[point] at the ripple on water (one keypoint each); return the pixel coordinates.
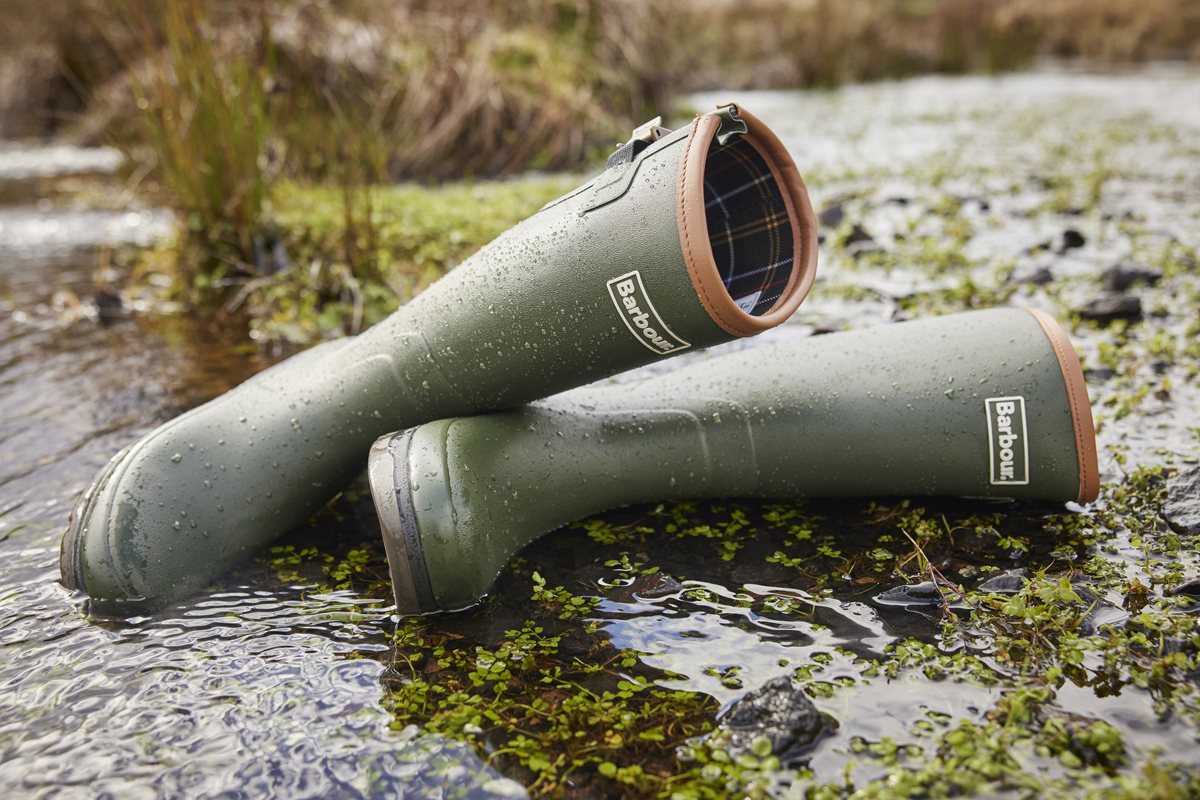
(256, 694)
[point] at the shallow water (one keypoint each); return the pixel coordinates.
(262, 686)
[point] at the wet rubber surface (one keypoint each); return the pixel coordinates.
(264, 686)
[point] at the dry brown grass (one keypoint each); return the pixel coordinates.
(494, 86)
(770, 44)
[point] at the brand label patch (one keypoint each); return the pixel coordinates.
(633, 304)
(1007, 440)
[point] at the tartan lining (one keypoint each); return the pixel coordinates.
(749, 230)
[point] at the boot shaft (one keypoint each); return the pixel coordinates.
(619, 273)
(983, 404)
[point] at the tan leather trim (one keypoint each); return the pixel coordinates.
(693, 227)
(1081, 407)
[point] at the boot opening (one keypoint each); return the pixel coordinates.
(749, 229)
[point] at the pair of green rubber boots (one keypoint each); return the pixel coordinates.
(689, 239)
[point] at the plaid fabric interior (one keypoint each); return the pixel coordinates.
(748, 225)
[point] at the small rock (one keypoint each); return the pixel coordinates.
(859, 242)
(1120, 277)
(1190, 588)
(1009, 582)
(1182, 508)
(832, 215)
(1039, 277)
(1099, 374)
(781, 713)
(917, 594)
(1113, 307)
(1072, 239)
(858, 235)
(109, 305)
(646, 587)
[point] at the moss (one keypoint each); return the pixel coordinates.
(410, 236)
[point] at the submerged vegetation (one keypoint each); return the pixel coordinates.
(559, 679)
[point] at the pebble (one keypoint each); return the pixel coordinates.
(1072, 239)
(860, 242)
(917, 594)
(1112, 307)
(1120, 277)
(781, 712)
(1039, 277)
(1009, 582)
(1182, 508)
(832, 215)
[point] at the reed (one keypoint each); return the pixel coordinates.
(200, 114)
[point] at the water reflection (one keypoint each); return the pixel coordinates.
(244, 693)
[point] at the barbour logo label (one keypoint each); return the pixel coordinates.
(633, 304)
(1008, 444)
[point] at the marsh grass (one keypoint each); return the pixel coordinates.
(414, 234)
(201, 115)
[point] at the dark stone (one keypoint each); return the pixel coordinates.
(1039, 277)
(1072, 239)
(1113, 307)
(1190, 588)
(917, 594)
(825, 327)
(1009, 582)
(779, 711)
(109, 305)
(1182, 508)
(832, 215)
(1099, 374)
(900, 201)
(1102, 612)
(1120, 277)
(575, 645)
(646, 587)
(859, 235)
(859, 242)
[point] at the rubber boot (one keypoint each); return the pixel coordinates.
(989, 403)
(688, 239)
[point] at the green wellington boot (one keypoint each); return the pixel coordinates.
(990, 403)
(689, 238)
